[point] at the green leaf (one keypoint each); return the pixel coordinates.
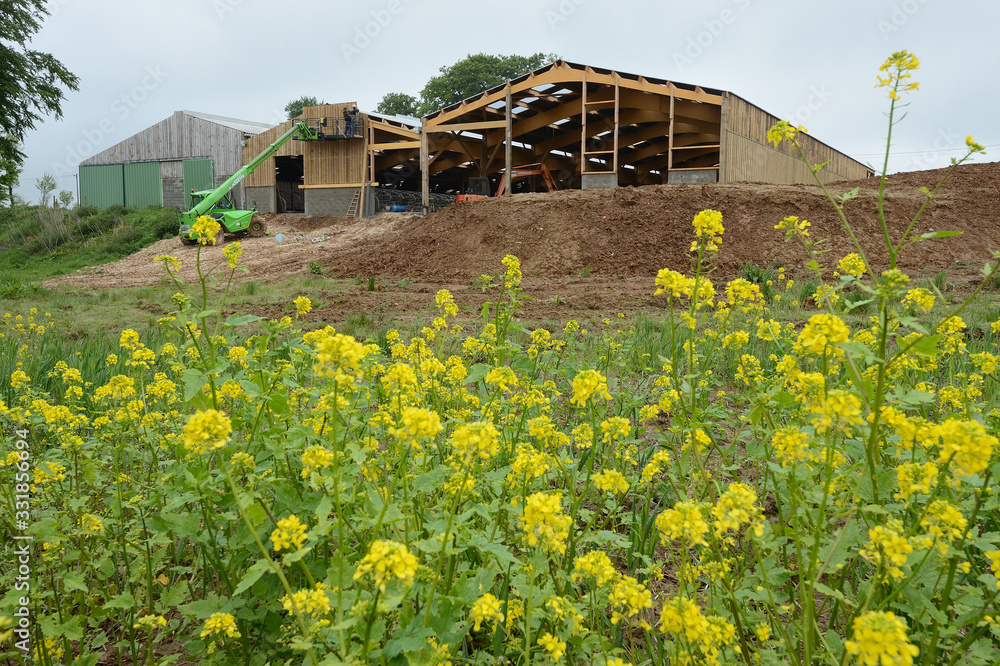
(429, 481)
(939, 234)
(173, 596)
(477, 372)
(297, 555)
(193, 380)
(847, 196)
(927, 345)
(252, 575)
(836, 594)
(123, 600)
(73, 582)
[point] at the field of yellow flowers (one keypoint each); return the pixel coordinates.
(721, 486)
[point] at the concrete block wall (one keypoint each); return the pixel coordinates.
(264, 197)
(329, 200)
(596, 181)
(173, 193)
(697, 176)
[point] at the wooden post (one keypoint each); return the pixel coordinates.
(615, 159)
(722, 139)
(583, 129)
(509, 147)
(425, 169)
(670, 136)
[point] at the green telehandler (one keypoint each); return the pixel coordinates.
(216, 203)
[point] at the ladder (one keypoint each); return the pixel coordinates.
(352, 210)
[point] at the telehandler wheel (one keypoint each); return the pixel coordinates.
(257, 229)
(188, 241)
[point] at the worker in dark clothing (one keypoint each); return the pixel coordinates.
(355, 127)
(348, 118)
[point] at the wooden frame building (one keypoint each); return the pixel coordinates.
(591, 127)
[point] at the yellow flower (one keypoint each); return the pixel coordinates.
(735, 507)
(966, 444)
(205, 229)
(207, 431)
(502, 377)
(486, 608)
(418, 423)
(673, 283)
(783, 130)
(852, 265)
(233, 253)
(91, 523)
(708, 229)
(543, 523)
(898, 67)
(914, 478)
(220, 623)
(589, 384)
(308, 602)
(388, 560)
(168, 260)
(685, 522)
(839, 411)
(512, 275)
(821, 331)
(302, 305)
(595, 566)
(314, 458)
(476, 439)
(791, 446)
(880, 639)
(888, 547)
(610, 481)
(944, 522)
(290, 532)
(553, 646)
(974, 146)
(631, 597)
(792, 226)
(919, 298)
(150, 622)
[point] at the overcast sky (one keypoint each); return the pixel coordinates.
(809, 60)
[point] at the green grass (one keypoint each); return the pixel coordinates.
(39, 243)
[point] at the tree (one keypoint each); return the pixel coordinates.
(10, 175)
(474, 74)
(397, 104)
(46, 184)
(294, 108)
(32, 85)
(65, 198)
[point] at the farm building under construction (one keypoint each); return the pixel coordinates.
(590, 127)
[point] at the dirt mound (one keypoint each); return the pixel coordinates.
(637, 231)
(618, 232)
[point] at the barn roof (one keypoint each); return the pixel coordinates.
(250, 127)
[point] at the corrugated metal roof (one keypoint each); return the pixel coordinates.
(248, 126)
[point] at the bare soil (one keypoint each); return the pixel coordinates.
(623, 236)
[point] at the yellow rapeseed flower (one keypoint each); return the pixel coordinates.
(386, 561)
(543, 522)
(879, 639)
(589, 384)
(205, 229)
(302, 305)
(220, 623)
(486, 608)
(290, 532)
(207, 431)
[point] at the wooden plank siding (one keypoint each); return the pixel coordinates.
(335, 162)
(747, 156)
(178, 137)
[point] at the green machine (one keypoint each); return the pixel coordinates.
(216, 203)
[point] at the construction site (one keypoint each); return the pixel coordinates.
(607, 170)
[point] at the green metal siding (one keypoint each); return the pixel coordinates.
(198, 176)
(102, 186)
(142, 184)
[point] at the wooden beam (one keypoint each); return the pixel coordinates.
(392, 129)
(670, 135)
(467, 127)
(394, 146)
(425, 170)
(508, 142)
(615, 163)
